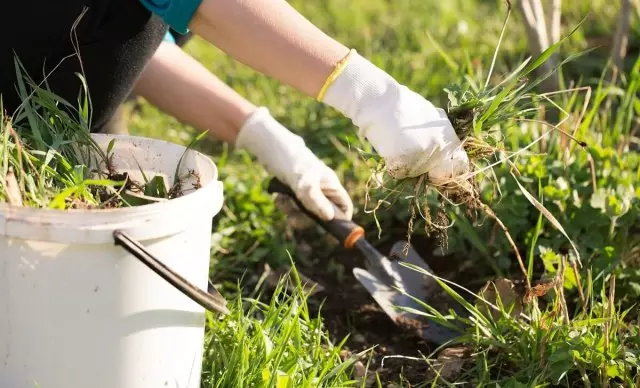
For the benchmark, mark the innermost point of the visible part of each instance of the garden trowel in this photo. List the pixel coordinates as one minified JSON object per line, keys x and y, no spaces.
{"x":391,"y":284}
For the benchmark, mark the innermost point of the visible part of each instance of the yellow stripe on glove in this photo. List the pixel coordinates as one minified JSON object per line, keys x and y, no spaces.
{"x":334,"y":74}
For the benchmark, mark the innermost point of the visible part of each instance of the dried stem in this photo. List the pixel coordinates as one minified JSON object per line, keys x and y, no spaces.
{"x":554,"y":29}
{"x":576,"y":273}
{"x":412,"y":216}
{"x":413,"y":203}
{"x":13,"y":190}
{"x":495,"y":53}
{"x":560,"y":290}
{"x":621,"y":37}
{"x":493,"y":215}
{"x":18,"y":144}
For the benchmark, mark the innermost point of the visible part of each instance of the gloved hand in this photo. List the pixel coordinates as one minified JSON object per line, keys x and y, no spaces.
{"x":286,"y":156}
{"x":409,"y":132}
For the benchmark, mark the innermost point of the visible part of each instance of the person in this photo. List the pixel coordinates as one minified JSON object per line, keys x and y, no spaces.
{"x":116,"y":44}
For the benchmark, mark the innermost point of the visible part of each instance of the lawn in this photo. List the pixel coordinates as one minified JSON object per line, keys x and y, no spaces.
{"x":581,"y":330}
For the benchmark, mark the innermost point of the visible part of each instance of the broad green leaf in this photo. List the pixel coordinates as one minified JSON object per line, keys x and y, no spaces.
{"x":570,"y":281}
{"x":549,"y":259}
{"x":613,"y":370}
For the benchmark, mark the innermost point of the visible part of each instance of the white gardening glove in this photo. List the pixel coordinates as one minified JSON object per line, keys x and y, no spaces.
{"x":286,"y":156}
{"x":413,"y":136}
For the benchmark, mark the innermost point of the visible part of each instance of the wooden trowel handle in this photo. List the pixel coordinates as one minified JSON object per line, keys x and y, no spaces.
{"x":345,"y":230}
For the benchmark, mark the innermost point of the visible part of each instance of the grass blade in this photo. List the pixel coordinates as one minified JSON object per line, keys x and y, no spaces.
{"x":547,"y":214}
{"x":546,"y":54}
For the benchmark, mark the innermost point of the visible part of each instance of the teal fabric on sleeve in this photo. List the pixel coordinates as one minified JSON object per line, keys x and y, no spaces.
{"x":176,"y":13}
{"x":168,"y":37}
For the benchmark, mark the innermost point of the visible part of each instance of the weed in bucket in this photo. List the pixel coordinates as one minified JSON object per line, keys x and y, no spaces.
{"x":480,"y":115}
{"x":50,"y":160}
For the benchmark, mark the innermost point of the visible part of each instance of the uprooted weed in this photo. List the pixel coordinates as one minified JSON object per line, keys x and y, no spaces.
{"x":480,"y":115}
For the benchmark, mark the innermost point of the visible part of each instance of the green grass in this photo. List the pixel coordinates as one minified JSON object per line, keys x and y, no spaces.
{"x":274,"y":344}
{"x":518,"y":343}
{"x":583,"y":332}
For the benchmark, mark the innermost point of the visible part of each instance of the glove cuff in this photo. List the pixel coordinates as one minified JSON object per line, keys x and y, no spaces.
{"x":282,"y":153}
{"x":375,"y":102}
{"x":358,"y":87}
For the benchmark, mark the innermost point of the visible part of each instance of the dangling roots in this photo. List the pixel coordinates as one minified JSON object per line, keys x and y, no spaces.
{"x":456,"y":192}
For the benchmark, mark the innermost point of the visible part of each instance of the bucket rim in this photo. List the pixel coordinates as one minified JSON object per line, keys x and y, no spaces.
{"x":96,"y":224}
{"x":150,"y":206}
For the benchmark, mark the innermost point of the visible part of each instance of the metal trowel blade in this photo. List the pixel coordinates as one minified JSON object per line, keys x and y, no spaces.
{"x":389,"y":299}
{"x":415,"y":283}
{"x":410,"y":284}
{"x":386,"y":297}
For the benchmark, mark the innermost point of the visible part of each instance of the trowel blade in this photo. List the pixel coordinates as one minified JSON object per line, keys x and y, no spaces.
{"x":386,"y":297}
{"x":423,"y":286}
{"x":389,"y":299}
{"x":414,"y":284}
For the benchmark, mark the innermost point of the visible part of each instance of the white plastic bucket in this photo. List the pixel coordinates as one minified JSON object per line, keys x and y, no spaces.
{"x":77,"y":311}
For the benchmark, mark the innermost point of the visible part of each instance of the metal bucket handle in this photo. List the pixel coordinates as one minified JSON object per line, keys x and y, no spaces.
{"x":210,"y":301}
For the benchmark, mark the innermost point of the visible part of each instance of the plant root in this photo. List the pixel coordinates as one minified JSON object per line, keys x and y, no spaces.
{"x":468,"y":194}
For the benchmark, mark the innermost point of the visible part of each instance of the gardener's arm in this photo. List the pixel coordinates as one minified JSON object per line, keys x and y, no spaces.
{"x":181,"y":86}
{"x":406,"y":130}
{"x":271,"y":37}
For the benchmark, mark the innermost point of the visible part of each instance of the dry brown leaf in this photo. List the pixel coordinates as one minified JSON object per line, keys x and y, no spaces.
{"x":539,"y":290}
{"x":13,"y":189}
{"x":451,"y":362}
{"x":509,"y":297}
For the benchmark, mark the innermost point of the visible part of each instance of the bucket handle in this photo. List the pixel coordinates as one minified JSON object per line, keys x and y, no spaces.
{"x":210,"y":301}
